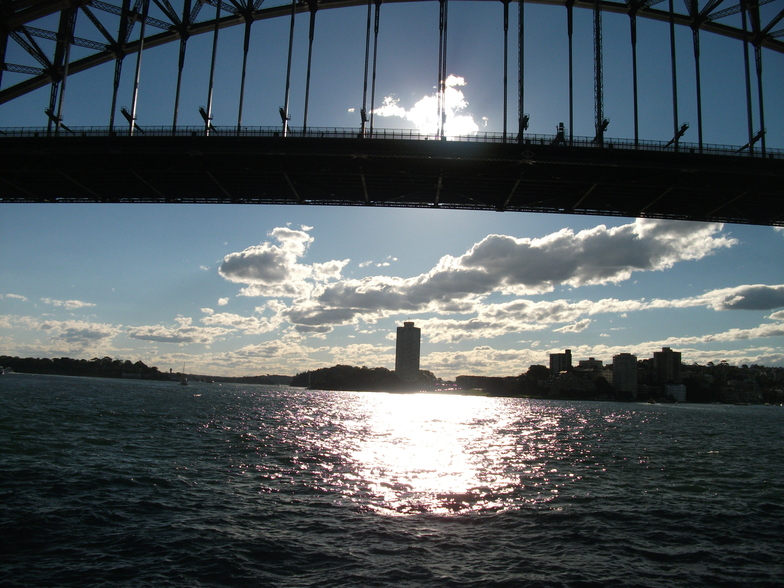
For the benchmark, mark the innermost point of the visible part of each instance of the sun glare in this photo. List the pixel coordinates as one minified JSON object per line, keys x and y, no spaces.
{"x":427,"y":454}
{"x":424,"y":114}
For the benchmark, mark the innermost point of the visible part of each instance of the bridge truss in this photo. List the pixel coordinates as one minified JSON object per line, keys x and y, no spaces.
{"x":513,"y":171}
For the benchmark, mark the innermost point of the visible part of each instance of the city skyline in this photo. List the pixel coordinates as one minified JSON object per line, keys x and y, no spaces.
{"x":488,"y":302}
{"x":247,"y":290}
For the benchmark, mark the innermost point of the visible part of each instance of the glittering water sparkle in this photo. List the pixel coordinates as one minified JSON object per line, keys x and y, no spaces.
{"x":153,"y":484}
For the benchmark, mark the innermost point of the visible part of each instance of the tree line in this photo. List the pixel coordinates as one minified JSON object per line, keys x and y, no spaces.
{"x":104,"y":367}
{"x":353,"y":378}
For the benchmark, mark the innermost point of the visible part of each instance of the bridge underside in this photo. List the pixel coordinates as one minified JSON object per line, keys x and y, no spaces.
{"x":377,"y":172}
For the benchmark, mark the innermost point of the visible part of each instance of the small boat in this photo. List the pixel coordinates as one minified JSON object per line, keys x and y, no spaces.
{"x":651,"y":401}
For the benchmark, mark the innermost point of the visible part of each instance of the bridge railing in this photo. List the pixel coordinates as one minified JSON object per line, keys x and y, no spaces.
{"x":528,"y":139}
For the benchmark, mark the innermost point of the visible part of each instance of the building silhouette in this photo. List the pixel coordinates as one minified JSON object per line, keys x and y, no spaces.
{"x":407,"y":352}
{"x":590,"y":364}
{"x":667,"y":365}
{"x":625,"y":373}
{"x":561,"y":362}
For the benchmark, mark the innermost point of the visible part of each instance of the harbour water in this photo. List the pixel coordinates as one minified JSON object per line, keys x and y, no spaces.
{"x":132,"y":483}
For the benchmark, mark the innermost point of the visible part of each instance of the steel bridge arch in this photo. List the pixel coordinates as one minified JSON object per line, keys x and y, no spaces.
{"x":15,"y":15}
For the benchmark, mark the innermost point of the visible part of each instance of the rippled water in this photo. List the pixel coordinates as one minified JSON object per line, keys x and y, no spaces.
{"x":107,"y":482}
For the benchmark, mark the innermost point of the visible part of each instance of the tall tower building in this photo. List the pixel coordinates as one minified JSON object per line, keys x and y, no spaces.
{"x":407,"y":352}
{"x":667,"y":364}
{"x":561,"y":362}
{"x":625,"y":373}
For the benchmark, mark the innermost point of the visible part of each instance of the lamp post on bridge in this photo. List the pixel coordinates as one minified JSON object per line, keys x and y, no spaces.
{"x":137,"y":77}
{"x":207,"y":116}
{"x":284,"y":110}
{"x":678,"y":135}
{"x":207,"y":119}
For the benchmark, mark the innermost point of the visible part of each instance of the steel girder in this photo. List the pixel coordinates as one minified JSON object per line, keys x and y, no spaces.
{"x":16,"y":16}
{"x":529,"y":177}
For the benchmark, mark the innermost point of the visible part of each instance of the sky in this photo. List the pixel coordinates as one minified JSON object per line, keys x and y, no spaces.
{"x":246,"y":290}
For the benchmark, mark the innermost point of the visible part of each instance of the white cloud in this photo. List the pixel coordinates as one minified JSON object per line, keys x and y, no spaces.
{"x":522,"y":315}
{"x":577,"y":327}
{"x":223,"y":301}
{"x":424,"y":114}
{"x":184,"y":332}
{"x":250,"y":325}
{"x":67,"y":304}
{"x":509,"y":265}
{"x":73,"y":336}
{"x":274,"y":271}
{"x":497,"y":264}
{"x":749,"y":297}
{"x":14,"y":297}
{"x":481,"y":360}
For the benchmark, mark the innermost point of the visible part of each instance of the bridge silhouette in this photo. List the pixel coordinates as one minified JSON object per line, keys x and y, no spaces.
{"x":510,"y":169}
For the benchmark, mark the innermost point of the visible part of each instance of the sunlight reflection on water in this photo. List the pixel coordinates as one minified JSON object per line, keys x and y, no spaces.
{"x":449,"y":454}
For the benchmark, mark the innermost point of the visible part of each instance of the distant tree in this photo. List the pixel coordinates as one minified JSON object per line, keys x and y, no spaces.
{"x":534,"y":375}
{"x":538,"y":372}
{"x":345,"y":377}
{"x":66,"y":366}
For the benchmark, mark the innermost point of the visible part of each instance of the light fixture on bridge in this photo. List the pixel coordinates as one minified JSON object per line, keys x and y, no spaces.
{"x":207,"y":118}
{"x":678,"y":135}
{"x":363,"y":114}
{"x":57,"y":120}
{"x":754,"y":139}
{"x":284,"y":118}
{"x":524,"y":122}
{"x":131,"y":120}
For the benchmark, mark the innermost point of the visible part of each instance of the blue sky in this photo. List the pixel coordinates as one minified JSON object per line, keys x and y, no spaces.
{"x":280,"y":289}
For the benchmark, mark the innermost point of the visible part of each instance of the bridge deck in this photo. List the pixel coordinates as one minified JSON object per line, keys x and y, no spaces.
{"x":532,"y":177}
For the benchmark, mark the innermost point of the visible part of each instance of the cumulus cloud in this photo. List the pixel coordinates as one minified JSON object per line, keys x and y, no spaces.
{"x":77,"y":336}
{"x":184,"y":332}
{"x":80,"y":334}
{"x":67,"y":304}
{"x":274,"y":270}
{"x":522,"y":315}
{"x":593,"y":256}
{"x":762,"y":331}
{"x":424,"y":114}
{"x":498,"y":264}
{"x":481,"y":360}
{"x":750,"y":297}
{"x":510,"y":265}
{"x":14,"y":297}
{"x":250,"y":325}
{"x":577,"y":327}
{"x":777,"y":316}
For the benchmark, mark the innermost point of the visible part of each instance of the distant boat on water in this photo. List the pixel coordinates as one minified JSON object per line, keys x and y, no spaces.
{"x":183,"y":377}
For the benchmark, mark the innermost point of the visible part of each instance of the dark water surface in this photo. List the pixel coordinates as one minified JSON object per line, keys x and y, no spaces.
{"x":106,"y":483}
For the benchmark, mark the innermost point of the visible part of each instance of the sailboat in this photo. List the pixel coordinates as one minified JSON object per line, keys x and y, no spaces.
{"x":183,"y":378}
